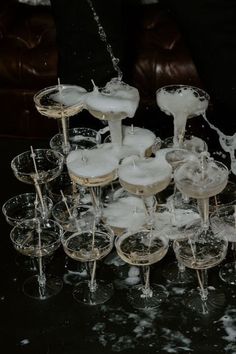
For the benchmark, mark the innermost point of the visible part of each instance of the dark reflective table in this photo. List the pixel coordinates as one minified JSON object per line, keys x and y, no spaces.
{"x":60,"y":325}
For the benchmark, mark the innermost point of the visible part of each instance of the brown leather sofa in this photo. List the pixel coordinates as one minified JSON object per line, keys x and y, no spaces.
{"x":28,"y":63}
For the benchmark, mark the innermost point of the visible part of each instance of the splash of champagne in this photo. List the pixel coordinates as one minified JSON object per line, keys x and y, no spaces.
{"x":103,"y":37}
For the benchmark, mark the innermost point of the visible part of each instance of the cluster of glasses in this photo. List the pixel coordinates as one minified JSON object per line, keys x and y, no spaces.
{"x":92,"y":196}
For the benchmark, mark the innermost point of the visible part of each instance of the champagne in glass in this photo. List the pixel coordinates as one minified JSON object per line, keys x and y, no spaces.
{"x":202,"y":253}
{"x":91,"y":168}
{"x":144,"y":177}
{"x":38,"y":167}
{"x":38,"y":238}
{"x":90,"y":245}
{"x":182,"y":102}
{"x":201,"y":248}
{"x":61,"y":102}
{"x":143,"y":248}
{"x":116,"y":101}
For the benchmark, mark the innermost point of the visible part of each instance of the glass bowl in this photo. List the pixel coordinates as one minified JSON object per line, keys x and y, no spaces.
{"x":79,"y":138}
{"x":25,"y":206}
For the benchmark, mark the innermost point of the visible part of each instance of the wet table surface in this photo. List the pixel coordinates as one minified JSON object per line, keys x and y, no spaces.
{"x":60,"y":325}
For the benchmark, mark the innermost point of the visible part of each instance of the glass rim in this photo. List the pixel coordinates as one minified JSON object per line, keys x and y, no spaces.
{"x":49,"y":88}
{"x":32,"y":221}
{"x":109,"y":235}
{"x":22,"y":195}
{"x":124,"y":236}
{"x":195,"y":88}
{"x":57,"y":154}
{"x":224,"y":168}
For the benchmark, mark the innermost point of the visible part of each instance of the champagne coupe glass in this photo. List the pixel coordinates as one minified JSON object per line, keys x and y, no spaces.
{"x":113,"y":103}
{"x":37,"y":167}
{"x":22,"y":207}
{"x":79,"y":138}
{"x":182,"y":102}
{"x":201,"y":248}
{"x":202,"y":179}
{"x":191,"y":143}
{"x":178,"y":211}
{"x":143,"y":248}
{"x":191,"y":146}
{"x":90,"y":245}
{"x":72,"y":217}
{"x":142,"y":140}
{"x":145,"y":177}
{"x":94,"y":169}
{"x":172,"y":221}
{"x":223,"y":220}
{"x":126,"y":213}
{"x":139,"y":141}
{"x":38,"y":238}
{"x":201,"y":253}
{"x":61,"y":102}
{"x":61,"y":183}
{"x":179,"y":207}
{"x":25,"y":206}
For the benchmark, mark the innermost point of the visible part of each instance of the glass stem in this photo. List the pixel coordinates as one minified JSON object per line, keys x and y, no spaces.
{"x":63,"y":124}
{"x":63,"y":127}
{"x":147,"y":292}
{"x":150,"y":204}
{"x":203,"y":282}
{"x":92,"y":283}
{"x":96,"y":200}
{"x":40,"y":195}
{"x":41,"y":275}
{"x":115,"y":131}
{"x":179,"y":129}
{"x":203,"y":207}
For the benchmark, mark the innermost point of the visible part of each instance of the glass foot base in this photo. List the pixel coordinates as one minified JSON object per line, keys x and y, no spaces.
{"x":31,"y":288}
{"x":228,"y":273}
{"x":154,"y":298}
{"x":214,"y":302}
{"x":173,"y":275}
{"x":102,"y":292}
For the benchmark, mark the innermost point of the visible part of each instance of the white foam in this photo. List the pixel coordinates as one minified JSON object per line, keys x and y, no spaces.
{"x":69,"y":95}
{"x":139,"y":139}
{"x":115,"y":97}
{"x":202,"y":180}
{"x":229,"y":324}
{"x":182,"y":102}
{"x":141,"y":171}
{"x":127,"y":213}
{"x":227,"y":142}
{"x":91,"y":163}
{"x":171,"y":223}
